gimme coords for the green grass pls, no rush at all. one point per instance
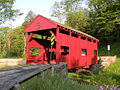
(83, 78)
(29, 84)
(13, 66)
(55, 83)
(108, 76)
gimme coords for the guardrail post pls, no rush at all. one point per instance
(42, 74)
(61, 69)
(53, 70)
(66, 69)
(38, 75)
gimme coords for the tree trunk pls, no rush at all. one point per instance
(24, 39)
(9, 45)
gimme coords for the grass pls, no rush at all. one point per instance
(13, 66)
(109, 76)
(83, 78)
(55, 83)
(29, 84)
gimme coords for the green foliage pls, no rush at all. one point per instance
(71, 5)
(3, 35)
(55, 83)
(104, 78)
(71, 11)
(11, 44)
(34, 51)
(13, 41)
(30, 16)
(105, 19)
(83, 78)
(29, 83)
(115, 50)
(7, 11)
(56, 11)
(17, 42)
(108, 76)
(78, 19)
(13, 66)
(101, 20)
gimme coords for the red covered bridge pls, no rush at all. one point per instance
(76, 48)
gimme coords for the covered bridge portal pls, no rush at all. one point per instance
(76, 48)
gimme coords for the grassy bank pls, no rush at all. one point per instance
(109, 76)
(55, 83)
(14, 66)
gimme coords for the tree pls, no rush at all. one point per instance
(61, 9)
(17, 43)
(105, 20)
(3, 45)
(57, 11)
(7, 11)
(71, 5)
(74, 15)
(78, 19)
(30, 16)
(12, 42)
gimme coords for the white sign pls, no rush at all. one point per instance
(108, 47)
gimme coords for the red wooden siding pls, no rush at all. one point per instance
(40, 23)
(68, 44)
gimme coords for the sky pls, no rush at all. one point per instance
(41, 7)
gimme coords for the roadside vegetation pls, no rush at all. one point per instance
(13, 66)
(55, 83)
(109, 77)
(100, 19)
(106, 79)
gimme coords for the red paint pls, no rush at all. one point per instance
(65, 44)
(40, 23)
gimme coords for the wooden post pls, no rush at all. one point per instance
(38, 75)
(51, 53)
(53, 69)
(16, 87)
(66, 70)
(42, 73)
